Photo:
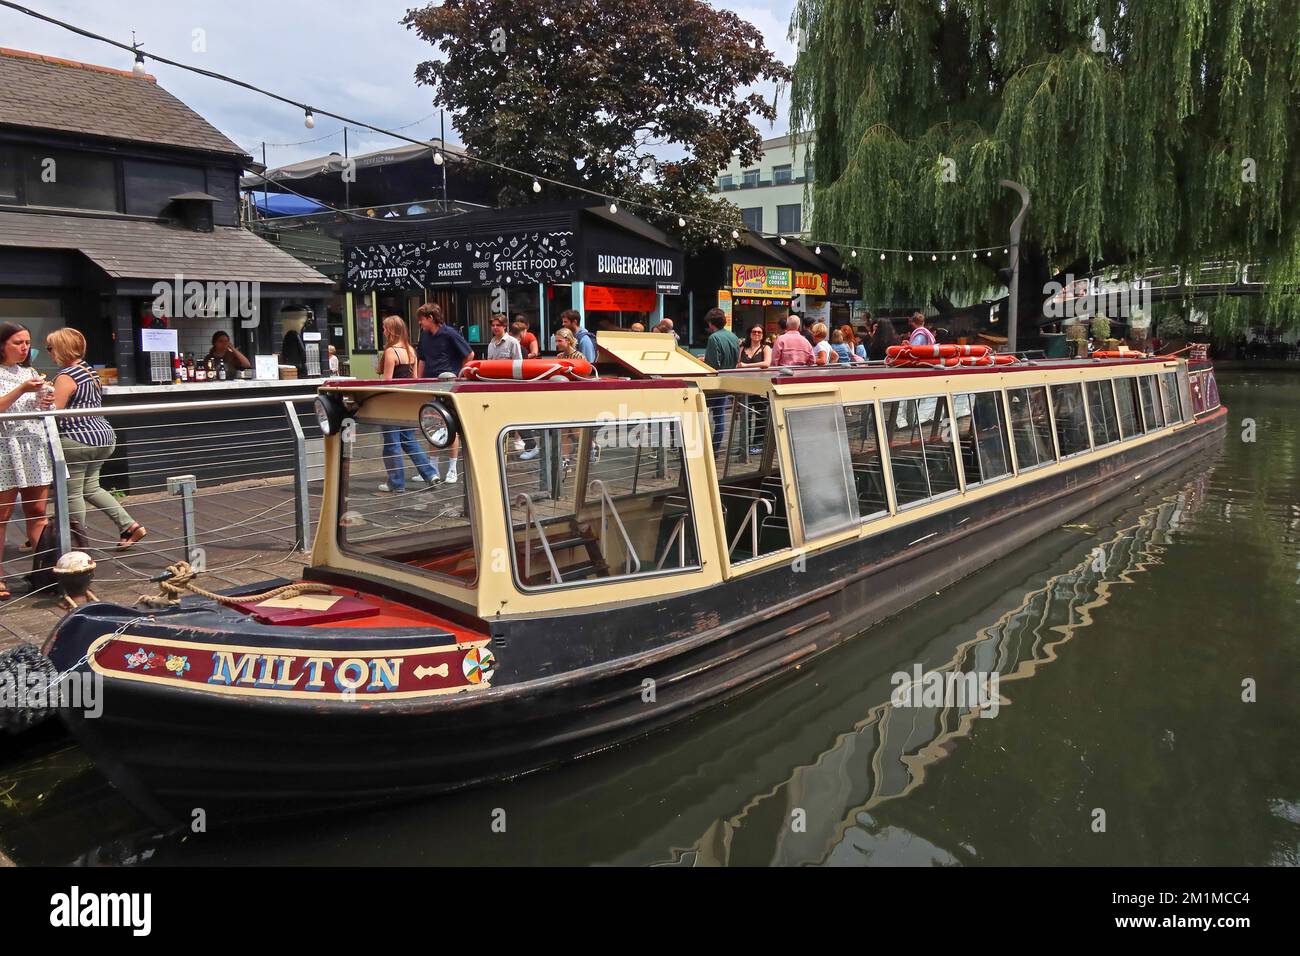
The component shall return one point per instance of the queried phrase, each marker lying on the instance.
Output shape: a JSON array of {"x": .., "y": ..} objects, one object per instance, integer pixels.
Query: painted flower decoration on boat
[
  {"x": 178, "y": 665},
  {"x": 145, "y": 660},
  {"x": 478, "y": 665}
]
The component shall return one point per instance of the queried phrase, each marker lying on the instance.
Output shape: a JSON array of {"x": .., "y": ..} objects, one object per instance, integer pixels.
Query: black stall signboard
[
  {"x": 490, "y": 260},
  {"x": 844, "y": 289},
  {"x": 634, "y": 265}
]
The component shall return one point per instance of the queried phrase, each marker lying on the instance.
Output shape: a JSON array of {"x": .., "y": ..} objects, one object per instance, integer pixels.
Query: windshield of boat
[{"x": 406, "y": 502}]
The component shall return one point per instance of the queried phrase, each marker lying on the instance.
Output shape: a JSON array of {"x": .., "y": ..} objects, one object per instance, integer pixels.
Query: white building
[{"x": 771, "y": 193}]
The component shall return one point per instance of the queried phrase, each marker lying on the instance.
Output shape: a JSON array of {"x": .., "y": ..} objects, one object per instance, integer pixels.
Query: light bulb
[
  {"x": 308, "y": 120},
  {"x": 138, "y": 67},
  {"x": 783, "y": 240},
  {"x": 735, "y": 234},
  {"x": 933, "y": 257},
  {"x": 681, "y": 223},
  {"x": 882, "y": 257},
  {"x": 987, "y": 254},
  {"x": 974, "y": 255},
  {"x": 1004, "y": 252},
  {"x": 817, "y": 251},
  {"x": 954, "y": 257},
  {"x": 855, "y": 253},
  {"x": 613, "y": 207},
  {"x": 909, "y": 257},
  {"x": 437, "y": 158},
  {"x": 537, "y": 187}
]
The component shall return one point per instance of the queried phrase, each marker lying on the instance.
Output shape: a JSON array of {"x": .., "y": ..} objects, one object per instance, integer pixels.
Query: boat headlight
[
  {"x": 437, "y": 424},
  {"x": 329, "y": 414}
]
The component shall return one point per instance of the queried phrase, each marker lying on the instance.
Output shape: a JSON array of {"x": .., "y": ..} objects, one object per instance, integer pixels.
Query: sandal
[{"x": 131, "y": 535}]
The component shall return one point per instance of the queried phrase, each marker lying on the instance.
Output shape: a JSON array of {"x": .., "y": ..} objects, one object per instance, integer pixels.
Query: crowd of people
[
  {"x": 86, "y": 441},
  {"x": 802, "y": 344}
]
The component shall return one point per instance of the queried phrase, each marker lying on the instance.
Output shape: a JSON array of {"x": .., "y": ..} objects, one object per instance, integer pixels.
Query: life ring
[
  {"x": 939, "y": 351},
  {"x": 528, "y": 370}
]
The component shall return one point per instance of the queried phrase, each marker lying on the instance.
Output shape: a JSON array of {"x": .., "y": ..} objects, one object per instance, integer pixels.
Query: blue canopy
[{"x": 285, "y": 204}]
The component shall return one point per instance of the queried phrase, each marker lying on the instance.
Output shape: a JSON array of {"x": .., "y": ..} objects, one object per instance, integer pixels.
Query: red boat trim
[
  {"x": 902, "y": 373},
  {"x": 602, "y": 384}
]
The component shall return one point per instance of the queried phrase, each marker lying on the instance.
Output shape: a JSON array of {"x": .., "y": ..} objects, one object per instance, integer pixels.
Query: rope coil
[{"x": 178, "y": 580}]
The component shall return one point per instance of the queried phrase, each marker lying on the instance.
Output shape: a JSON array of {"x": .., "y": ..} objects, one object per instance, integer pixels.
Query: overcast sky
[{"x": 350, "y": 56}]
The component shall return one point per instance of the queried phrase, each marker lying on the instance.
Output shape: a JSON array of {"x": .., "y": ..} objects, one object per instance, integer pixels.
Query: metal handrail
[
  {"x": 531, "y": 517},
  {"x": 114, "y": 410},
  {"x": 679, "y": 536},
  {"x": 633, "y": 563},
  {"x": 751, "y": 519}
]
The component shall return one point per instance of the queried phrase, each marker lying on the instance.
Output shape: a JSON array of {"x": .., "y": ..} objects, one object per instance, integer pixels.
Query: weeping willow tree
[{"x": 1148, "y": 133}]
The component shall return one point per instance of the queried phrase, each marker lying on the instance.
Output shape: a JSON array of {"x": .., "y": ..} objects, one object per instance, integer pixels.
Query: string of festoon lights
[{"x": 310, "y": 113}]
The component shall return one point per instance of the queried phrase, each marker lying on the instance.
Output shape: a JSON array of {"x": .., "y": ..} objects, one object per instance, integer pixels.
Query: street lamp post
[{"x": 1015, "y": 260}]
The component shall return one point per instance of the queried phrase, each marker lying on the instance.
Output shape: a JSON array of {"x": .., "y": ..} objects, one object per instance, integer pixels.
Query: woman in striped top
[{"x": 88, "y": 440}]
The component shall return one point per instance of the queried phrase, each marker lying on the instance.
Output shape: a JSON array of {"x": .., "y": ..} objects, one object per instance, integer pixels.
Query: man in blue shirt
[
  {"x": 572, "y": 321},
  {"x": 722, "y": 352},
  {"x": 441, "y": 348}
]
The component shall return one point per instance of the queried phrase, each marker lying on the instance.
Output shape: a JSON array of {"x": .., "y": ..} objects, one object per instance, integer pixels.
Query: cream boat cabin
[{"x": 613, "y": 555}]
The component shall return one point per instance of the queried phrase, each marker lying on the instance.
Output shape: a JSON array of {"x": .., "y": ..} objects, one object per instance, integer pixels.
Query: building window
[
  {"x": 726, "y": 182},
  {"x": 8, "y": 175},
  {"x": 749, "y": 177},
  {"x": 70, "y": 180},
  {"x": 982, "y": 436},
  {"x": 823, "y": 473},
  {"x": 753, "y": 218},
  {"x": 1101, "y": 406},
  {"x": 789, "y": 218},
  {"x": 921, "y": 458},
  {"x": 1031, "y": 426},
  {"x": 808, "y": 170},
  {"x": 150, "y": 186},
  {"x": 782, "y": 175}
]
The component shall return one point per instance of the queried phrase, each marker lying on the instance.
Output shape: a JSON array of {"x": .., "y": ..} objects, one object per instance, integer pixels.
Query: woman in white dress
[{"x": 25, "y": 468}]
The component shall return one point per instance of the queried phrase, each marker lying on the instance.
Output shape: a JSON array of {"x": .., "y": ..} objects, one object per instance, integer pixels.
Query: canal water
[{"x": 1147, "y": 659}]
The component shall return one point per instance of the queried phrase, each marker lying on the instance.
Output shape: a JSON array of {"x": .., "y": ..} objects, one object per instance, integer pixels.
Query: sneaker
[
  {"x": 756, "y": 449},
  {"x": 452, "y": 476},
  {"x": 530, "y": 454},
  {"x": 386, "y": 489},
  {"x": 432, "y": 481},
  {"x": 517, "y": 444}
]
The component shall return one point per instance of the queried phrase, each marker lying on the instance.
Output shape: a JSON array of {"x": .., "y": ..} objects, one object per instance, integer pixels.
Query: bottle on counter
[
  {"x": 221, "y": 370},
  {"x": 189, "y": 368},
  {"x": 200, "y": 371},
  {"x": 178, "y": 370}
]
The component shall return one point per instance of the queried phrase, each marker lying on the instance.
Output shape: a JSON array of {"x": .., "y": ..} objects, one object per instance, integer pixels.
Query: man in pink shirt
[{"x": 791, "y": 348}]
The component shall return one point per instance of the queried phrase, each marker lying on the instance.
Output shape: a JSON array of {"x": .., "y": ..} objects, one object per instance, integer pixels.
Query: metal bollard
[
  {"x": 62, "y": 516},
  {"x": 302, "y": 504},
  {"x": 184, "y": 485}
]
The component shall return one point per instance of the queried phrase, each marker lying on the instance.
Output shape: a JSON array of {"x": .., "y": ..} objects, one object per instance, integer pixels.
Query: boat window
[
  {"x": 982, "y": 435},
  {"x": 589, "y": 501},
  {"x": 1196, "y": 383},
  {"x": 1071, "y": 423},
  {"x": 389, "y": 513},
  {"x": 1151, "y": 411},
  {"x": 1101, "y": 407},
  {"x": 1126, "y": 400},
  {"x": 1031, "y": 426},
  {"x": 1169, "y": 393},
  {"x": 744, "y": 422},
  {"x": 1211, "y": 391},
  {"x": 867, "y": 461},
  {"x": 823, "y": 473},
  {"x": 922, "y": 462}
]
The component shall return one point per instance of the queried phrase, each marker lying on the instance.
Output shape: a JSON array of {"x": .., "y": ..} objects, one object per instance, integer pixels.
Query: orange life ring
[{"x": 528, "y": 370}]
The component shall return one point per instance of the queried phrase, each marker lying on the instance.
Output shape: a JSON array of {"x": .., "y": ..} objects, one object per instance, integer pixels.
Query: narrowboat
[{"x": 624, "y": 545}]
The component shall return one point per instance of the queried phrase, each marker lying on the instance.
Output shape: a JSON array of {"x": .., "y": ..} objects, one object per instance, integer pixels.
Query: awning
[{"x": 286, "y": 204}]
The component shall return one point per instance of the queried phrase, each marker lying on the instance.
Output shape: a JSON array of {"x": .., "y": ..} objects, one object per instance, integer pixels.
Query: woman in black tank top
[{"x": 399, "y": 362}]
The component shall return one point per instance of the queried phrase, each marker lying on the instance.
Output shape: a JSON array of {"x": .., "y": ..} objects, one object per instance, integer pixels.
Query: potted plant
[{"x": 1076, "y": 333}]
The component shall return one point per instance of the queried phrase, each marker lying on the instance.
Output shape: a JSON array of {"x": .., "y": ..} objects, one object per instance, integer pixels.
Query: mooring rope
[{"x": 180, "y": 579}]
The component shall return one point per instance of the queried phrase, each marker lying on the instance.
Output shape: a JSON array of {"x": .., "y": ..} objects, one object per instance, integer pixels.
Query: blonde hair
[
  {"x": 837, "y": 337},
  {"x": 66, "y": 345},
  {"x": 564, "y": 335},
  {"x": 819, "y": 330},
  {"x": 395, "y": 333}
]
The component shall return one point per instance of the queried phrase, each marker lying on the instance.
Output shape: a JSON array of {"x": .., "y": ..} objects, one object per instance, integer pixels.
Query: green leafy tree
[
  {"x": 591, "y": 92},
  {"x": 1148, "y": 134}
]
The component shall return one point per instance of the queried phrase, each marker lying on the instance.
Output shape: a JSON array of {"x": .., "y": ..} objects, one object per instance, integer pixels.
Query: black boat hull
[{"x": 566, "y": 686}]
